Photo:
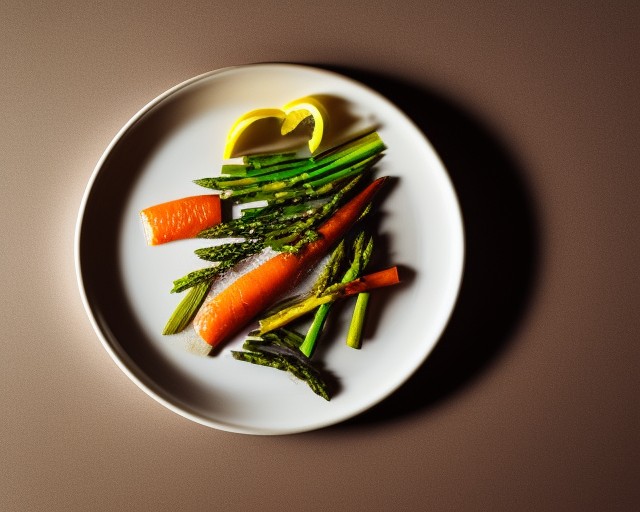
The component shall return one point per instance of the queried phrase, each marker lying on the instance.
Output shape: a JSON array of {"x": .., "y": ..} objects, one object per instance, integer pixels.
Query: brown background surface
[{"x": 530, "y": 402}]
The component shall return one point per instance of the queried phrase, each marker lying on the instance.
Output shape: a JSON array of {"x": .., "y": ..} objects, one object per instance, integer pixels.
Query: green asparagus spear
[
  {"x": 294, "y": 242},
  {"x": 187, "y": 308},
  {"x": 356, "y": 327},
  {"x": 330, "y": 270},
  {"x": 228, "y": 251},
  {"x": 288, "y": 337},
  {"x": 269, "y": 159},
  {"x": 200, "y": 276},
  {"x": 233, "y": 170}
]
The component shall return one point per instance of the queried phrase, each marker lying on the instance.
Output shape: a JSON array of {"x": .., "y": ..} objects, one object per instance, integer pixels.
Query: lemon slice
[
  {"x": 299, "y": 110},
  {"x": 243, "y": 122}
]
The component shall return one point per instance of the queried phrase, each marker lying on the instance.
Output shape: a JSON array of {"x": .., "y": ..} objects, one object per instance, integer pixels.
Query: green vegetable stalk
[
  {"x": 356, "y": 327},
  {"x": 202, "y": 275},
  {"x": 230, "y": 251},
  {"x": 279, "y": 349},
  {"x": 187, "y": 308},
  {"x": 269, "y": 159}
]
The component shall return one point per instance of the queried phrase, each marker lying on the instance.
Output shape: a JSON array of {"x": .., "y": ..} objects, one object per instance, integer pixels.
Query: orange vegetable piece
[
  {"x": 253, "y": 292},
  {"x": 180, "y": 218},
  {"x": 386, "y": 277}
]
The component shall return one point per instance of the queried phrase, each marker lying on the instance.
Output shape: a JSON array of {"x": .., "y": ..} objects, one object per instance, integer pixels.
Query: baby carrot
[
  {"x": 181, "y": 218},
  {"x": 253, "y": 292}
]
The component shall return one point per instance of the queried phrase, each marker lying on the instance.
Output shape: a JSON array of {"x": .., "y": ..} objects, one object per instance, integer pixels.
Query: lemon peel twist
[{"x": 291, "y": 116}]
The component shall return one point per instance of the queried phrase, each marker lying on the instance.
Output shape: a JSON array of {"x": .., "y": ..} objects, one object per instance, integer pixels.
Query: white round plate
[{"x": 125, "y": 284}]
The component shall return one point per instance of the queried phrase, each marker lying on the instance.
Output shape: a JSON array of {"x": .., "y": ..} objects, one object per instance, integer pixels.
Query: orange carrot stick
[
  {"x": 181, "y": 218},
  {"x": 256, "y": 290},
  {"x": 386, "y": 277}
]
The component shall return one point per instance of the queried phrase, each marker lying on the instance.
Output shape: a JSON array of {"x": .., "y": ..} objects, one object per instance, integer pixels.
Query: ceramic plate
[{"x": 125, "y": 284}]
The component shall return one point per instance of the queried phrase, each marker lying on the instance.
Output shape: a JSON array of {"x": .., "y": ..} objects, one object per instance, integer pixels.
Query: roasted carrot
[
  {"x": 386, "y": 277},
  {"x": 239, "y": 303},
  {"x": 181, "y": 218}
]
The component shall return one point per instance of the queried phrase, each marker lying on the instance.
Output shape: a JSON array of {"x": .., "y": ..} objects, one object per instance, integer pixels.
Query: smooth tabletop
[{"x": 529, "y": 400}]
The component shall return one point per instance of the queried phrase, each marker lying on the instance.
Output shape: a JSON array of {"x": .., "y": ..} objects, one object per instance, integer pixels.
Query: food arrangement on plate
[
  {"x": 179, "y": 137},
  {"x": 301, "y": 208}
]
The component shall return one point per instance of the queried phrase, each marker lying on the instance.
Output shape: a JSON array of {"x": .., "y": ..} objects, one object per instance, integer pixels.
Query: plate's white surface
[{"x": 178, "y": 137}]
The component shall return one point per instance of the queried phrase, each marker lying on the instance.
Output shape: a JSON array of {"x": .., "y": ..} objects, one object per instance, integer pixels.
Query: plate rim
[{"x": 182, "y": 411}]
